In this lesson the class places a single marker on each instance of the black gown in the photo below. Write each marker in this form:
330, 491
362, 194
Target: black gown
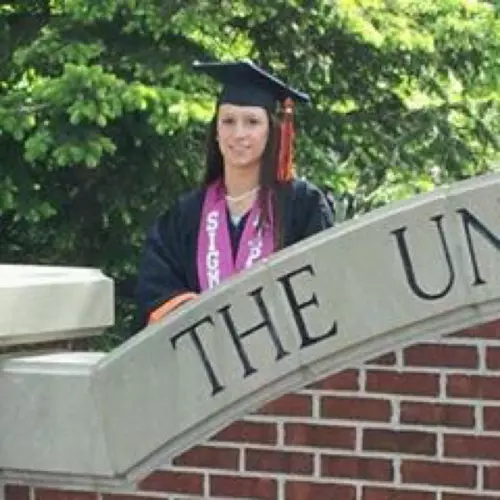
168, 264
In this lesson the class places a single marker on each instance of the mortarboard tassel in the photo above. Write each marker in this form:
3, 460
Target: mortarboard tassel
286, 169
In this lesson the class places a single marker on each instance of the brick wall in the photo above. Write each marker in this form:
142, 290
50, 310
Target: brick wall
422, 423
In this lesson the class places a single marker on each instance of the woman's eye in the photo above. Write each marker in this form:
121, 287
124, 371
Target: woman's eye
253, 121
227, 121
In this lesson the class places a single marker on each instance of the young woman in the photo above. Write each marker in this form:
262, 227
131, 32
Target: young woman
250, 204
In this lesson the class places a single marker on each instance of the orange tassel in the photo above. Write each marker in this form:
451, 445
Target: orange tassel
286, 168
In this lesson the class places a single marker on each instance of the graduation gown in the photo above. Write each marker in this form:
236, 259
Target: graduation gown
168, 265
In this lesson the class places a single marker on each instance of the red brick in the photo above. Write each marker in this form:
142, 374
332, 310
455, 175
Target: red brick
296, 490
486, 331
112, 496
293, 405
320, 435
476, 447
278, 461
415, 442
14, 492
375, 469
491, 418
249, 432
347, 380
466, 496
52, 494
209, 456
374, 493
438, 473
493, 358
388, 359
448, 415
473, 387
243, 487
175, 482
439, 355
491, 478
378, 410
418, 384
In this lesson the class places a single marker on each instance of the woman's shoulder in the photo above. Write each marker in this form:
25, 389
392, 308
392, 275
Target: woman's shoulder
300, 188
191, 199
304, 196
187, 201
185, 208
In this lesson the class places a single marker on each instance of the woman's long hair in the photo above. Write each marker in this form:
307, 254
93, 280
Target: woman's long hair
270, 188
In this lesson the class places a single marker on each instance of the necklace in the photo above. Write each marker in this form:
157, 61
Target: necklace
246, 194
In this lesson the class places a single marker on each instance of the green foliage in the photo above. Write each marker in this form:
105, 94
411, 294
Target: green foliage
102, 123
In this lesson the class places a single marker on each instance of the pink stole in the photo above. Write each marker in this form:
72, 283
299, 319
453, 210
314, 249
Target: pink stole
214, 254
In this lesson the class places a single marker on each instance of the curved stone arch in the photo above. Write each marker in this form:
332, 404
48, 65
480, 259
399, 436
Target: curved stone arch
411, 271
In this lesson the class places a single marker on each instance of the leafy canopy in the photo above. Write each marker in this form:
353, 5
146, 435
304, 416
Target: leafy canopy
102, 123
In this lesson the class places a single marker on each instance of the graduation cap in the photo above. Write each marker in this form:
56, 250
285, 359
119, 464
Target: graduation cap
246, 84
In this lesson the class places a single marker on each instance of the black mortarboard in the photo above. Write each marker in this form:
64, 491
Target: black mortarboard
245, 84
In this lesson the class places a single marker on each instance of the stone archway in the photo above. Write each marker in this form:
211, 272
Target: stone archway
410, 272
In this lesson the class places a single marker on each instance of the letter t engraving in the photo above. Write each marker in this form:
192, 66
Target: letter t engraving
209, 369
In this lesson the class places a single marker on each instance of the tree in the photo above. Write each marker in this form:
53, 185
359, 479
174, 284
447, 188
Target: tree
102, 123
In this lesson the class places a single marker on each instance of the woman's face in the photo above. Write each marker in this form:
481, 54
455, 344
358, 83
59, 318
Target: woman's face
242, 133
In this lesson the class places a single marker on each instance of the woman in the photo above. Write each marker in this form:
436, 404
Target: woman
250, 204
